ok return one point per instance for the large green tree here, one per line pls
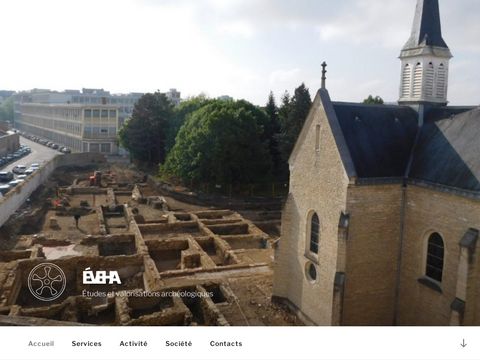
(293, 114)
(377, 100)
(271, 133)
(145, 133)
(6, 110)
(222, 142)
(180, 114)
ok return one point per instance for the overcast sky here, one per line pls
(241, 48)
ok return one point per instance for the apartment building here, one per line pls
(83, 128)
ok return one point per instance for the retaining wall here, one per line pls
(15, 198)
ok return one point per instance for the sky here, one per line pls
(240, 48)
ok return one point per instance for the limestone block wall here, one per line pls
(427, 211)
(372, 251)
(318, 182)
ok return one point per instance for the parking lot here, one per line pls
(39, 154)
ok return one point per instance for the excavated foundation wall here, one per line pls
(12, 201)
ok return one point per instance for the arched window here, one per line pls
(406, 79)
(441, 81)
(429, 78)
(435, 256)
(314, 233)
(417, 80)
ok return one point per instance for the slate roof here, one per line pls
(384, 141)
(448, 152)
(379, 137)
(444, 112)
(426, 30)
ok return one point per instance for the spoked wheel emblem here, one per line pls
(47, 282)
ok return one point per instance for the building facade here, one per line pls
(51, 124)
(124, 102)
(382, 219)
(9, 141)
(83, 128)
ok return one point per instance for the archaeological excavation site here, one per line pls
(178, 263)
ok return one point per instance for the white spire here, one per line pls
(425, 58)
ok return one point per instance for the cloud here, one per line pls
(243, 48)
(284, 76)
(238, 28)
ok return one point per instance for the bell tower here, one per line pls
(425, 59)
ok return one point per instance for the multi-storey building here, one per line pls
(87, 128)
(66, 117)
(124, 102)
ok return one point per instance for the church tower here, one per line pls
(425, 59)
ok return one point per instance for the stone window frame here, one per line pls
(318, 137)
(307, 271)
(312, 256)
(424, 279)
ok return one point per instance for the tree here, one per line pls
(145, 133)
(377, 100)
(271, 133)
(221, 143)
(293, 114)
(6, 110)
(180, 114)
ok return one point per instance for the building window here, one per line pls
(314, 233)
(96, 113)
(429, 79)
(105, 148)
(435, 257)
(406, 79)
(104, 114)
(417, 81)
(317, 138)
(113, 114)
(94, 148)
(311, 272)
(441, 81)
(88, 113)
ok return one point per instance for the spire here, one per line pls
(324, 72)
(427, 29)
(425, 59)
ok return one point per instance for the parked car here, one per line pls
(21, 177)
(19, 169)
(35, 166)
(15, 183)
(6, 176)
(30, 171)
(4, 189)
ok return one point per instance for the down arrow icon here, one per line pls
(463, 344)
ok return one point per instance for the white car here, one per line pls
(30, 171)
(35, 166)
(15, 183)
(21, 177)
(19, 169)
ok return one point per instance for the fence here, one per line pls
(273, 189)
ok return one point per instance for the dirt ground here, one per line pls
(49, 212)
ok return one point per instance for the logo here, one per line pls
(100, 277)
(47, 282)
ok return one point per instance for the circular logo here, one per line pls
(47, 282)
